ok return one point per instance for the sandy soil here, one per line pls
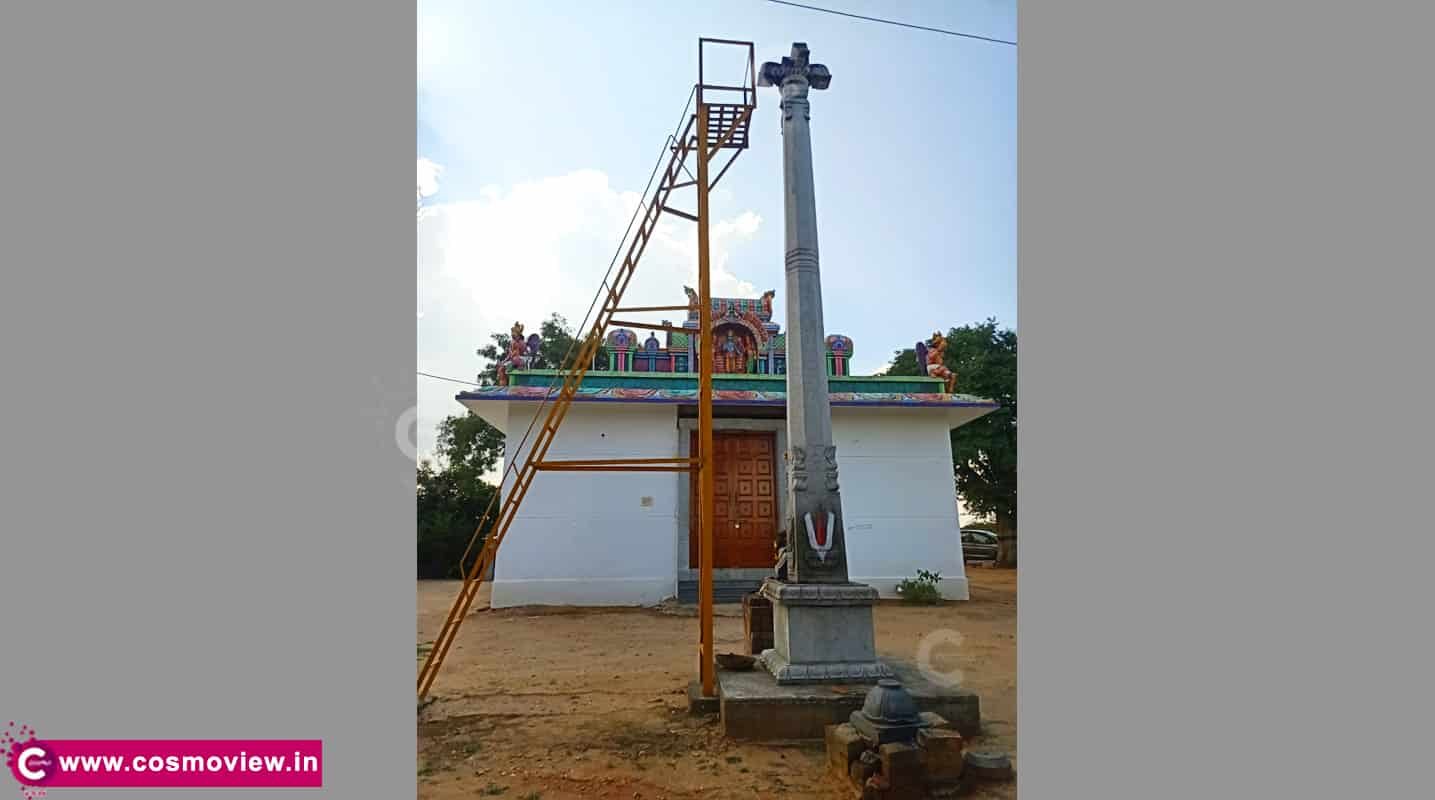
(558, 703)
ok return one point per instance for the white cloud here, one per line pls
(428, 178)
(536, 248)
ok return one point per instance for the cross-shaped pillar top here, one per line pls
(796, 67)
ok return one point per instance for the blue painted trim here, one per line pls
(674, 401)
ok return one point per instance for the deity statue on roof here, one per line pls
(517, 356)
(765, 302)
(936, 365)
(731, 355)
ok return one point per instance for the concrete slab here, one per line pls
(697, 703)
(755, 708)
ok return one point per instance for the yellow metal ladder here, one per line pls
(710, 128)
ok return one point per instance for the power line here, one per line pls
(454, 380)
(895, 22)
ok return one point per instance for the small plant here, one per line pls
(493, 789)
(921, 590)
(532, 796)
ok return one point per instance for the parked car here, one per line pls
(979, 545)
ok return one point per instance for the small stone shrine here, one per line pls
(891, 751)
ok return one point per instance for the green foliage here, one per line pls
(557, 339)
(453, 494)
(922, 589)
(904, 362)
(468, 445)
(450, 502)
(983, 357)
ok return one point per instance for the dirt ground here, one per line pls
(553, 703)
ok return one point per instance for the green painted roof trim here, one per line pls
(600, 379)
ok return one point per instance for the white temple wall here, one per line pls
(614, 538)
(593, 538)
(898, 495)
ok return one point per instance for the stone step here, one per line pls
(724, 590)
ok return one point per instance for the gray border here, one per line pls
(1224, 377)
(204, 298)
(208, 335)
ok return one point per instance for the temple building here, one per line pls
(625, 538)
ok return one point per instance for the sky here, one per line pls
(540, 122)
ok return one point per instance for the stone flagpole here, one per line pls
(816, 546)
(822, 622)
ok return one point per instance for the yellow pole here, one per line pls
(706, 499)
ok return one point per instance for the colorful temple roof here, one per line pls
(721, 396)
(749, 356)
(745, 341)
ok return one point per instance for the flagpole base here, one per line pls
(822, 633)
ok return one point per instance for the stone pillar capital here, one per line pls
(794, 73)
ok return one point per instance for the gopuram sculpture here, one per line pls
(520, 354)
(933, 359)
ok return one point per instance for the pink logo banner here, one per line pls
(167, 763)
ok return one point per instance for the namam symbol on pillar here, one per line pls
(936, 365)
(819, 533)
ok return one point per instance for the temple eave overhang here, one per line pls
(725, 397)
(493, 403)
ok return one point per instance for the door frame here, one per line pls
(685, 429)
(724, 439)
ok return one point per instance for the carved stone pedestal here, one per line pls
(822, 633)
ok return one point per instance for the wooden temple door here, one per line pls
(745, 487)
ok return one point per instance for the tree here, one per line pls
(453, 496)
(983, 450)
(468, 445)
(449, 504)
(556, 337)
